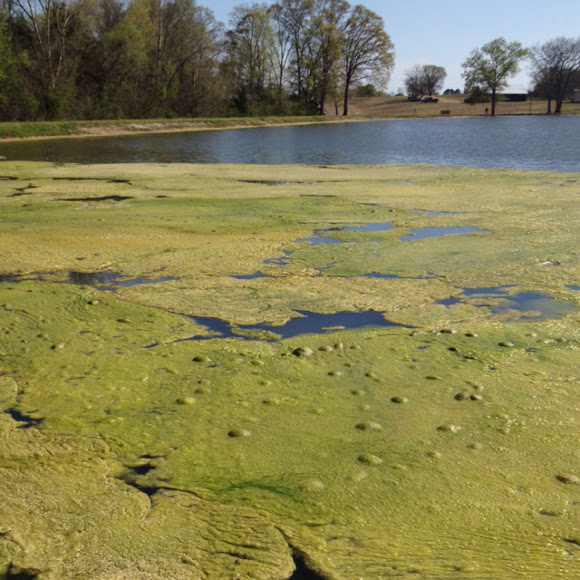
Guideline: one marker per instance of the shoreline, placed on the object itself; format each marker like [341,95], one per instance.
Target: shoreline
[84,129]
[106,128]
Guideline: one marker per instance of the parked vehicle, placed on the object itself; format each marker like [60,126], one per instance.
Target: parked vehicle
[429,100]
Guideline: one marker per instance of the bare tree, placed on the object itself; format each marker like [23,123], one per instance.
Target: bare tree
[295,16]
[414,82]
[50,23]
[283,46]
[490,66]
[554,65]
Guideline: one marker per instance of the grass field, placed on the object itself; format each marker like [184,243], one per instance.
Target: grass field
[385,107]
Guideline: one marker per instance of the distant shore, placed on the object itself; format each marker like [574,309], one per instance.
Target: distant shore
[363,109]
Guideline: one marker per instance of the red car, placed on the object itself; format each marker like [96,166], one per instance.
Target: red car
[429,100]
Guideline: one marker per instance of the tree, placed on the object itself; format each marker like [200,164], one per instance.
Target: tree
[414,82]
[127,46]
[10,90]
[426,79]
[554,65]
[295,16]
[433,78]
[324,51]
[200,89]
[283,46]
[51,33]
[250,48]
[367,50]
[491,66]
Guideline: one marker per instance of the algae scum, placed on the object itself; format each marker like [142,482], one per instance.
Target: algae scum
[272,372]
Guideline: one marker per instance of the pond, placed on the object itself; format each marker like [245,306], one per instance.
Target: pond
[530,142]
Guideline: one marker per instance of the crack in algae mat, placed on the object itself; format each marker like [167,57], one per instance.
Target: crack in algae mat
[442,446]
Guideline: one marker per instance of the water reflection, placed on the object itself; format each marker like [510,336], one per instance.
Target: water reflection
[254,276]
[307,323]
[497,301]
[100,280]
[318,239]
[422,233]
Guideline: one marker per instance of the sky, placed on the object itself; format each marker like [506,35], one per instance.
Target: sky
[444,32]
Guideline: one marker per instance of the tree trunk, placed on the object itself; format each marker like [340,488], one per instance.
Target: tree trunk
[549,111]
[345,107]
[493,102]
[558,108]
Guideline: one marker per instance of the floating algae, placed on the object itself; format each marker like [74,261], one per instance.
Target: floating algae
[369,453]
[531,305]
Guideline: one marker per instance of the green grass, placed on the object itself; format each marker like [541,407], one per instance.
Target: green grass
[64,128]
[39,129]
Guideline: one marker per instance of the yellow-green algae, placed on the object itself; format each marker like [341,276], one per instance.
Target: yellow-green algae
[448,450]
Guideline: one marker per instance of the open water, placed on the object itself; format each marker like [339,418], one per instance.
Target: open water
[547,143]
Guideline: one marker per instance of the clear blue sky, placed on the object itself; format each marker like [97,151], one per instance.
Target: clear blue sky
[443,32]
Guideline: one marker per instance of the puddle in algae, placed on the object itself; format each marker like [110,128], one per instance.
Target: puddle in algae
[540,306]
[572,287]
[370,227]
[269,182]
[438,213]
[308,323]
[318,237]
[495,290]
[253,276]
[422,233]
[281,261]
[429,276]
[101,280]
[113,284]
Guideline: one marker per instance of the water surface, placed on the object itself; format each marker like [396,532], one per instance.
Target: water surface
[307,323]
[423,233]
[526,142]
[533,305]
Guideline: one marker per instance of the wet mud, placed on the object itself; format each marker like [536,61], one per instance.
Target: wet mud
[439,444]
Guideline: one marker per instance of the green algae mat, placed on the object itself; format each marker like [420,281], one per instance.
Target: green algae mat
[219,371]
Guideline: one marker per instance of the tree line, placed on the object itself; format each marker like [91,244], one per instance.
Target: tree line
[107,59]
[555,71]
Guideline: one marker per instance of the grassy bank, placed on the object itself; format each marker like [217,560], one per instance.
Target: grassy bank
[84,128]
[139,442]
[360,109]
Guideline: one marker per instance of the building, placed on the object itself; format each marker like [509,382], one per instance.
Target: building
[514,93]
